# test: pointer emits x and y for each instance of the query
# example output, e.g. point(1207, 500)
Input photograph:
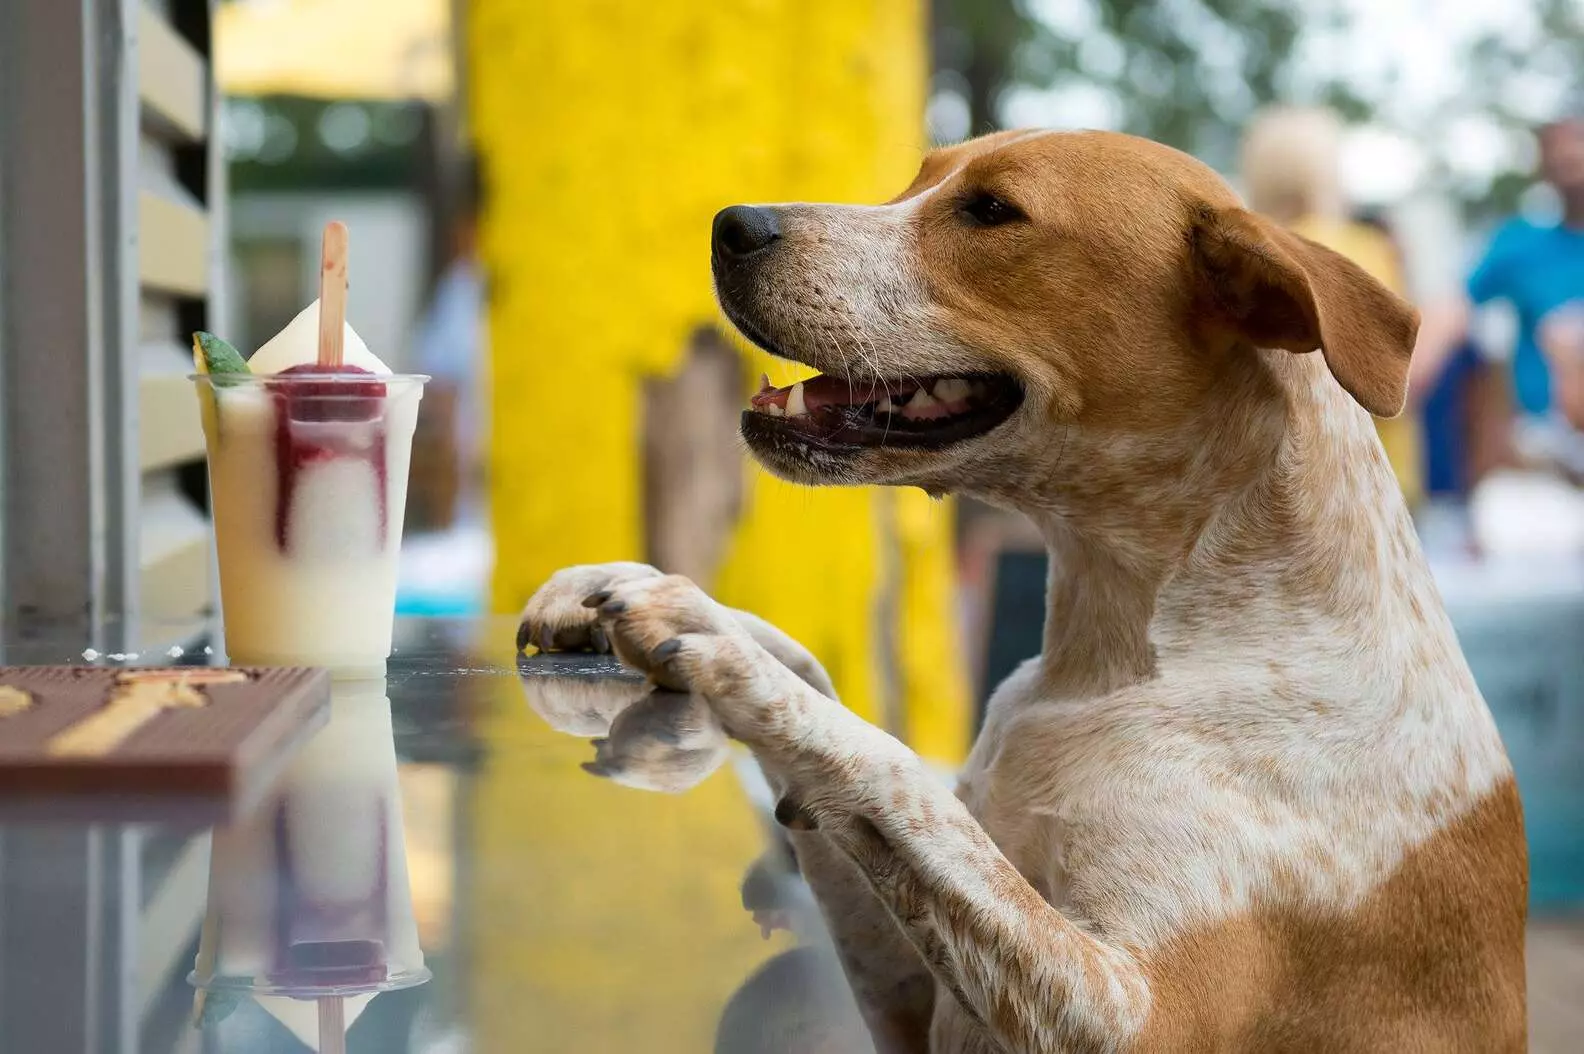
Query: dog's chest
point(1034, 845)
point(1144, 816)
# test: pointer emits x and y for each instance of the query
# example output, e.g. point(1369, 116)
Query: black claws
point(603, 601)
point(543, 639)
point(598, 640)
point(667, 650)
point(793, 817)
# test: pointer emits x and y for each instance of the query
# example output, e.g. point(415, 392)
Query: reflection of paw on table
point(578, 695)
point(645, 739)
point(666, 741)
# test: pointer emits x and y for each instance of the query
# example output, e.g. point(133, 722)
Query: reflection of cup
point(308, 477)
point(308, 895)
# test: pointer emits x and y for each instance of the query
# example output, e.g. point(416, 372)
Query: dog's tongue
point(822, 391)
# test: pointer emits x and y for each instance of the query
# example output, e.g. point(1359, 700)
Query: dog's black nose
point(743, 230)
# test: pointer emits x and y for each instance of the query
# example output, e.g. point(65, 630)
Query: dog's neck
point(1275, 517)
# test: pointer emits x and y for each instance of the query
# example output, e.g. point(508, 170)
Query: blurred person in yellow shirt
point(1291, 172)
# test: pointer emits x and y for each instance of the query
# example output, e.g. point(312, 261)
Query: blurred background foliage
point(1463, 98)
point(287, 142)
point(1191, 72)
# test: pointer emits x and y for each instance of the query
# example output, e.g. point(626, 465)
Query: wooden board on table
point(189, 762)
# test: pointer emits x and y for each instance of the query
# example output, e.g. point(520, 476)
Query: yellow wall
point(611, 132)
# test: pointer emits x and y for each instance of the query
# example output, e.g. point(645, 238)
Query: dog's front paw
point(670, 630)
point(555, 618)
point(646, 619)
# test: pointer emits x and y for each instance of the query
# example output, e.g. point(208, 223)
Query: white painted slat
point(172, 78)
point(173, 553)
point(169, 431)
point(173, 245)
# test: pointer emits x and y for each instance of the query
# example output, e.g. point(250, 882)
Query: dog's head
point(1031, 280)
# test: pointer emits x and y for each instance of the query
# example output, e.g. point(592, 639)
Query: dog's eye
point(987, 210)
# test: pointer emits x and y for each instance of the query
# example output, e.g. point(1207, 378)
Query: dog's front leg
point(1029, 976)
point(890, 983)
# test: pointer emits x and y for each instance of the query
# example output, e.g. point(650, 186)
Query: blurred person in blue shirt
point(1538, 269)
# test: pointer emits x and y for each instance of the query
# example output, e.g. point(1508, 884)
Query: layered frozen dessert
point(308, 481)
point(309, 895)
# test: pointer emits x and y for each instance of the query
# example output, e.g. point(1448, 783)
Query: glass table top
point(528, 855)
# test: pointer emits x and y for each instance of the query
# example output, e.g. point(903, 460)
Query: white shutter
point(179, 210)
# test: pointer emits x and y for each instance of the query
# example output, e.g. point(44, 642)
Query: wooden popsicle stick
point(332, 1025)
point(332, 293)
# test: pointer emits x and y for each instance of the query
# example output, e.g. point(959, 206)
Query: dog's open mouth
point(916, 412)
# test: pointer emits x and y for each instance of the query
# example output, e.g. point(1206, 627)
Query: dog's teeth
point(951, 390)
point(795, 406)
point(764, 381)
point(774, 411)
point(921, 400)
point(885, 406)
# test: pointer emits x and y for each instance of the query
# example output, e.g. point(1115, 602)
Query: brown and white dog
point(1248, 798)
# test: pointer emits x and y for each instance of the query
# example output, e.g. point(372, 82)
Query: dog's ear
point(1279, 290)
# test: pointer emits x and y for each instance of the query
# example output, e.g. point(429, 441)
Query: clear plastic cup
point(308, 486)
